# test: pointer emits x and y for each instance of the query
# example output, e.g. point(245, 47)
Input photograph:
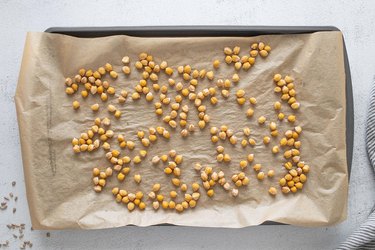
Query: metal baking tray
point(209, 31)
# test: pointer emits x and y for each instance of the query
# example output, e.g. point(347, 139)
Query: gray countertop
point(355, 18)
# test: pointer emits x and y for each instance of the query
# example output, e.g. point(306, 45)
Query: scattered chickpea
point(135, 96)
point(275, 149)
point(84, 93)
point(260, 176)
point(234, 192)
point(276, 77)
point(126, 70)
point(298, 129)
point(233, 140)
point(252, 142)
point(272, 191)
point(155, 205)
point(225, 93)
point(113, 74)
point(241, 101)
point(179, 208)
point(98, 188)
point(295, 105)
point(236, 50)
point(210, 75)
point(291, 118)
point(240, 93)
point(238, 65)
point(183, 187)
point(227, 158)
point(253, 100)
point(142, 205)
point(172, 204)
point(111, 108)
point(266, 140)
point(173, 194)
point(228, 51)
point(235, 78)
point(104, 97)
point(169, 71)
point(273, 126)
point(263, 53)
point(131, 206)
point(261, 120)
point(250, 112)
point(137, 178)
point(243, 164)
point(257, 167)
point(142, 153)
point(107, 67)
point(125, 60)
point(271, 173)
point(76, 105)
point(216, 64)
point(246, 131)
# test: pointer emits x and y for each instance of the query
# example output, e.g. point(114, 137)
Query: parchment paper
point(59, 183)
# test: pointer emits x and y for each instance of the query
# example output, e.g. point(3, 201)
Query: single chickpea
point(291, 118)
point(272, 191)
point(137, 178)
point(275, 149)
point(76, 105)
point(238, 65)
point(253, 100)
point(261, 120)
point(277, 77)
point(263, 53)
point(246, 131)
point(155, 205)
point(273, 126)
point(240, 93)
point(228, 51)
point(249, 112)
point(260, 176)
point(216, 64)
point(210, 75)
point(227, 158)
point(235, 78)
point(243, 164)
point(113, 74)
point(168, 71)
point(266, 140)
point(271, 173)
point(234, 192)
point(257, 167)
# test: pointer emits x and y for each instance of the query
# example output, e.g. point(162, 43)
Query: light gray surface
point(354, 18)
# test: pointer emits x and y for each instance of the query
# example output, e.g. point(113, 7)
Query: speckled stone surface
point(354, 18)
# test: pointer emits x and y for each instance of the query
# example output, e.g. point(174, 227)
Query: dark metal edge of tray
point(178, 31)
point(195, 31)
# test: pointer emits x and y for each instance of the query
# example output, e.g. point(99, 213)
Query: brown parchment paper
point(58, 182)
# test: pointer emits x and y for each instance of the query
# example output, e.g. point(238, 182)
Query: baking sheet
point(58, 182)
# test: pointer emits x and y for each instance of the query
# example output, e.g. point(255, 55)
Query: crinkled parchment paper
point(59, 186)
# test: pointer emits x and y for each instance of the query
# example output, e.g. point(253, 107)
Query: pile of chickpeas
point(185, 80)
